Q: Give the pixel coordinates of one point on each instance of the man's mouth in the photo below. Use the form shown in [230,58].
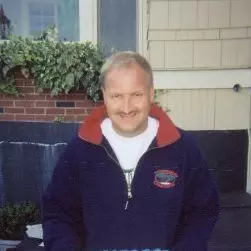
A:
[131,115]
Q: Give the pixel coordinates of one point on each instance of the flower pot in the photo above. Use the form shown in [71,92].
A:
[5,244]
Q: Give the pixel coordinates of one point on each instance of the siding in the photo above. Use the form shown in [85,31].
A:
[208,109]
[203,34]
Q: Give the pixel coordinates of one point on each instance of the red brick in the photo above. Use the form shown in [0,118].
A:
[13,110]
[60,97]
[89,110]
[6,103]
[45,104]
[7,117]
[27,89]
[76,111]
[81,118]
[18,75]
[76,96]
[24,117]
[29,82]
[46,91]
[19,82]
[45,117]
[85,103]
[32,97]
[69,118]
[55,111]
[99,103]
[24,103]
[8,97]
[34,110]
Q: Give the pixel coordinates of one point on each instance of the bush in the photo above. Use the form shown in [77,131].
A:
[56,66]
[14,218]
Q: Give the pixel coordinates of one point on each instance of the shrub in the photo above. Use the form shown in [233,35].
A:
[14,218]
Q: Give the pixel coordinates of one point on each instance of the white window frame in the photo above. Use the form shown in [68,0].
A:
[202,79]
[88,23]
[88,18]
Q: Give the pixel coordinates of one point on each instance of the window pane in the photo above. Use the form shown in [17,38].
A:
[38,21]
[48,9]
[117,24]
[35,9]
[32,16]
[35,25]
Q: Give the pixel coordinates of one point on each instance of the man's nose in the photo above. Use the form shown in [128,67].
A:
[127,105]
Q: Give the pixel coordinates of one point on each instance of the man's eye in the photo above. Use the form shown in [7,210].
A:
[138,94]
[116,95]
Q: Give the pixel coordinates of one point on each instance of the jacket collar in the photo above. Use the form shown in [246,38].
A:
[90,129]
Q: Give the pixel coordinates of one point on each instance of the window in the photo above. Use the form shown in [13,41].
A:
[112,23]
[41,16]
[30,17]
[117,25]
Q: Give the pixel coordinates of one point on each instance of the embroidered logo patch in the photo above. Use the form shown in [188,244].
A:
[165,178]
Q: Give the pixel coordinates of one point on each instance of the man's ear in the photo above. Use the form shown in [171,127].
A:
[152,94]
[103,92]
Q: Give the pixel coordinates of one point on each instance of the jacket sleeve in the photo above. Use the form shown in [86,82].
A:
[200,205]
[61,210]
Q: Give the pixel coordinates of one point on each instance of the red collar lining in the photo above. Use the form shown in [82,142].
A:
[90,129]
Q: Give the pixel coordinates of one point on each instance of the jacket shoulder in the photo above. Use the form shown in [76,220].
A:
[192,148]
[187,138]
[75,146]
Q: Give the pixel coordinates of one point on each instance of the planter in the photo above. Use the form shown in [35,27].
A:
[34,231]
[5,244]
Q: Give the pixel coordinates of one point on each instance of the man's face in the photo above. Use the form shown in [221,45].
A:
[128,96]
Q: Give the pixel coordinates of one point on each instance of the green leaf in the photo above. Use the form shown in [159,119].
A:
[60,66]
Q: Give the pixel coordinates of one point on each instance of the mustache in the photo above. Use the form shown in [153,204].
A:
[127,113]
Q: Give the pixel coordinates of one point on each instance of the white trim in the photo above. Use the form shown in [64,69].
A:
[95,20]
[24,19]
[202,79]
[139,34]
[88,20]
[141,26]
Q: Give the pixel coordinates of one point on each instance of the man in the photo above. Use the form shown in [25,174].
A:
[130,179]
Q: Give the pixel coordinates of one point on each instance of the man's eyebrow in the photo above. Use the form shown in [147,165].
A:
[138,91]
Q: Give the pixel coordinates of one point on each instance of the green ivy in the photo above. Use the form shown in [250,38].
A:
[55,65]
[8,87]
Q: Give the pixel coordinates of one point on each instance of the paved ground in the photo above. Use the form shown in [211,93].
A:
[233,229]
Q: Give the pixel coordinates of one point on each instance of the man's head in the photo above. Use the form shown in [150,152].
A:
[127,84]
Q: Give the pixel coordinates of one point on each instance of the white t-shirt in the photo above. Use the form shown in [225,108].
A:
[129,150]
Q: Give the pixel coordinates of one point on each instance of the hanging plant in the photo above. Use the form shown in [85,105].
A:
[55,65]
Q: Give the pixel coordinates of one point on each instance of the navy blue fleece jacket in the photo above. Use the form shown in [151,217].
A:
[174,203]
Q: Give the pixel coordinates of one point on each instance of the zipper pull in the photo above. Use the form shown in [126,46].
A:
[128,176]
[126,205]
[129,196]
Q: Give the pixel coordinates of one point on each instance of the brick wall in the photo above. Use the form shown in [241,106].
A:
[203,34]
[35,106]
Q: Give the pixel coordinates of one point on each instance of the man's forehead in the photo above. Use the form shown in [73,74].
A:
[119,90]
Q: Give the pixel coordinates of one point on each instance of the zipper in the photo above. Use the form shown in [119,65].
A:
[129,186]
[129,193]
[129,173]
[136,168]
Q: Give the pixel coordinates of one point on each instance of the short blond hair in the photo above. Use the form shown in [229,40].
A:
[125,59]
